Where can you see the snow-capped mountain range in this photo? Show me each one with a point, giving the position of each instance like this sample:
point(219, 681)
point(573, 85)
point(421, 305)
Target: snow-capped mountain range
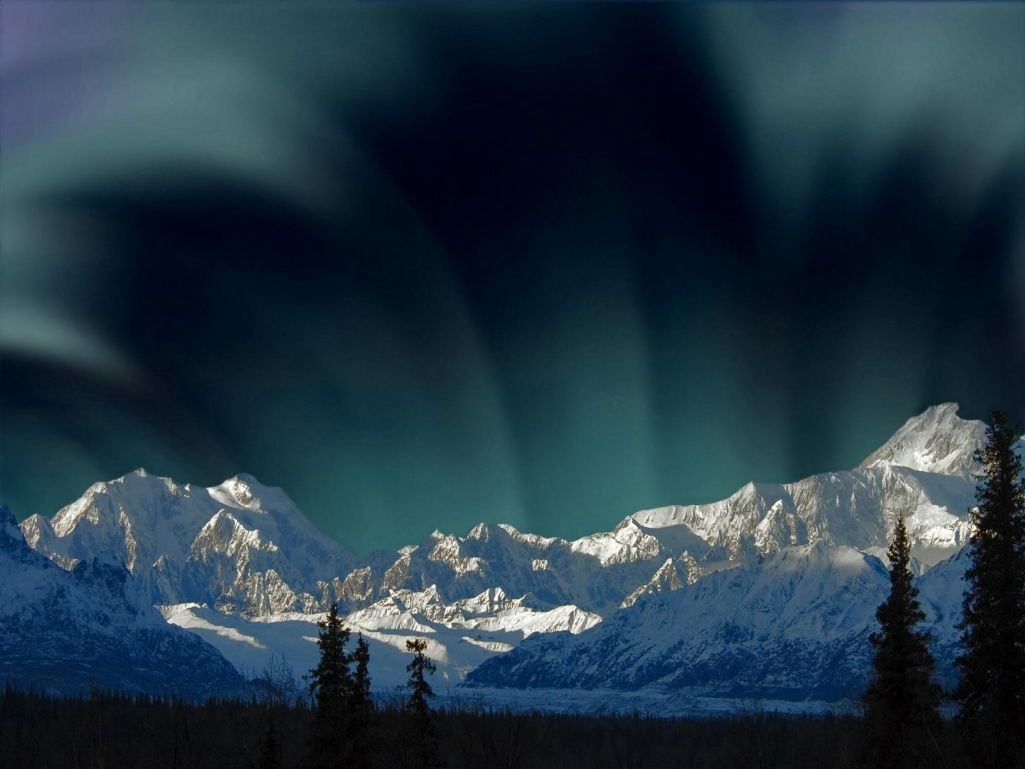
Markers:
point(770, 592)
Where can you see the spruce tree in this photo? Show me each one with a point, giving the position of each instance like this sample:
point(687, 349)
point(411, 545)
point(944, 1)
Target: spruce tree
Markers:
point(360, 706)
point(992, 686)
point(902, 701)
point(361, 680)
point(419, 689)
point(423, 735)
point(331, 687)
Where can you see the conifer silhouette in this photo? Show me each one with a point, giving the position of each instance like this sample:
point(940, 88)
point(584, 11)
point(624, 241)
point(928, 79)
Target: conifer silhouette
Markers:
point(902, 701)
point(331, 686)
point(423, 738)
point(992, 687)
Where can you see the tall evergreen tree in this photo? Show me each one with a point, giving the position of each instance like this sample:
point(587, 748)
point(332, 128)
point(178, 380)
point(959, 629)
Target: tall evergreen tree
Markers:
point(419, 688)
point(992, 687)
point(361, 679)
point(423, 737)
point(360, 706)
point(331, 687)
point(902, 701)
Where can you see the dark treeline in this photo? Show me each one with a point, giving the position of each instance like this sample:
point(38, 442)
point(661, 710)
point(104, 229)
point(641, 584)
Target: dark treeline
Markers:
point(117, 731)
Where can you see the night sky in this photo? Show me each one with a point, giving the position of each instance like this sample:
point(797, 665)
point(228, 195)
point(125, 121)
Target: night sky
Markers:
point(424, 266)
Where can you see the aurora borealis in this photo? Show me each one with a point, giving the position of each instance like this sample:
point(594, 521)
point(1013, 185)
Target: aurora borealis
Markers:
point(423, 266)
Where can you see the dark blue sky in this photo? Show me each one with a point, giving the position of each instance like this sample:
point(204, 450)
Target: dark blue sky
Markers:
point(425, 266)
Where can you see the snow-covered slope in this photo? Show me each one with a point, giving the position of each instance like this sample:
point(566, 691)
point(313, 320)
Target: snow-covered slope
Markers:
point(699, 596)
point(240, 546)
point(595, 573)
point(245, 547)
point(67, 631)
point(791, 619)
point(793, 627)
point(935, 441)
point(922, 473)
point(460, 635)
point(857, 508)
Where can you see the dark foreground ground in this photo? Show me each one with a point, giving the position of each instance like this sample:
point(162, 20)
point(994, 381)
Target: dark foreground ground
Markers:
point(117, 732)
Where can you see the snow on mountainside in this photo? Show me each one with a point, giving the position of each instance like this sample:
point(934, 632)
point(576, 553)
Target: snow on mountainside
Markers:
point(791, 620)
point(460, 635)
point(240, 546)
point(240, 565)
point(601, 572)
point(245, 547)
point(595, 573)
point(922, 473)
point(935, 441)
point(70, 630)
point(792, 628)
point(857, 508)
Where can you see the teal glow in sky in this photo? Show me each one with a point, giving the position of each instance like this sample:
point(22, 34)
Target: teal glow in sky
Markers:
point(426, 266)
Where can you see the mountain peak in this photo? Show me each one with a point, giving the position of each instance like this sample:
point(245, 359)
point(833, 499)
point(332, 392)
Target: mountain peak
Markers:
point(170, 536)
point(935, 441)
point(245, 491)
point(237, 491)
